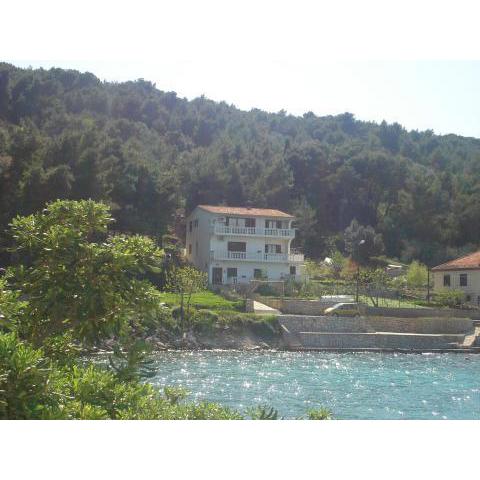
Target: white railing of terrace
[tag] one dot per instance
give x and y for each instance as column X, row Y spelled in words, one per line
column 258, row 257
column 262, row 232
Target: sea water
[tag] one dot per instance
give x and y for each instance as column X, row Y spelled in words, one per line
column 350, row 385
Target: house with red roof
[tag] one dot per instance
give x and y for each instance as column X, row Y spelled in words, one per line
column 238, row 244
column 460, row 274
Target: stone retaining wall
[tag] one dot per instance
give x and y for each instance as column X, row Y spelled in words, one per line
column 306, row 323
column 296, row 306
column 381, row 341
column 384, row 333
column 423, row 312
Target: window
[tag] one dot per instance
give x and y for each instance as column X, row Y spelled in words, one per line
column 273, row 224
column 196, row 248
column 189, row 248
column 190, row 226
column 195, row 223
column 237, row 247
column 257, row 273
column 250, row 222
column 463, row 279
column 232, row 222
column 468, row 298
column 231, row 273
column 446, row 280
column 293, row 270
column 273, row 248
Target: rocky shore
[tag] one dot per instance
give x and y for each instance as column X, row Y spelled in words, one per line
column 237, row 337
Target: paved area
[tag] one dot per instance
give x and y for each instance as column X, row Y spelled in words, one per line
column 261, row 309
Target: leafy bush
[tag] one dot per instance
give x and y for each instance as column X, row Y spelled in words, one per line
column 262, row 412
column 417, row 275
column 205, row 319
column 319, row 414
column 75, row 278
column 24, row 376
column 267, row 290
column 450, row 298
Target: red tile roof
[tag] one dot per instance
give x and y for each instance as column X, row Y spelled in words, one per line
column 468, row 262
column 245, row 211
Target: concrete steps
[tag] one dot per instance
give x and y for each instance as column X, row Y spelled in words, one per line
column 261, row 309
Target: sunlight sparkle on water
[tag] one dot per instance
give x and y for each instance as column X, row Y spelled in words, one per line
column 351, row 385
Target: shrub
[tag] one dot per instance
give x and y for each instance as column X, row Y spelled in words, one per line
column 319, row 414
column 24, row 378
column 262, row 412
column 450, row 298
column 205, row 319
column 417, row 275
column 267, row 290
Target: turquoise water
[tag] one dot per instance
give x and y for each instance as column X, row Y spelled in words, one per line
column 351, row 385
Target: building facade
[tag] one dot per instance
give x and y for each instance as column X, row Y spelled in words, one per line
column 461, row 274
column 237, row 244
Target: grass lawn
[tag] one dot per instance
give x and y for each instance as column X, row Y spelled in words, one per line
column 389, row 302
column 206, row 299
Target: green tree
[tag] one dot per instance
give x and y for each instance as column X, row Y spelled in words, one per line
column 362, row 243
column 417, row 275
column 337, row 264
column 185, row 281
column 75, row 277
column 373, row 283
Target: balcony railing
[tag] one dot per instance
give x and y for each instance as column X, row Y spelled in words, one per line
column 258, row 257
column 254, row 231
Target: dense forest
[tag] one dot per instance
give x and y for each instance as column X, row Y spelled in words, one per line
column 152, row 156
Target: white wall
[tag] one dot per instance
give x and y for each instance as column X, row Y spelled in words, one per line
column 207, row 241
column 245, row 270
column 254, row 244
column 199, row 235
column 473, row 282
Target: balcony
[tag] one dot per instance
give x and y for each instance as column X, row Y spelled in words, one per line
column 254, row 231
column 258, row 257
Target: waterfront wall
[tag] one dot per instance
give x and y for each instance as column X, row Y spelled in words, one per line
column 383, row 333
column 431, row 326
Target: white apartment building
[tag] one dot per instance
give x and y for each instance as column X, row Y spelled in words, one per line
column 238, row 244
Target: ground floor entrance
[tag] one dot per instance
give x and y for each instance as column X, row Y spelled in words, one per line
column 217, row 274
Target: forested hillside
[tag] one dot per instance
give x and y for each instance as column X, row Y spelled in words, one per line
column 151, row 155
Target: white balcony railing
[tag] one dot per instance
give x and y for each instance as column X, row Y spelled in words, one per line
column 258, row 257
column 254, row 231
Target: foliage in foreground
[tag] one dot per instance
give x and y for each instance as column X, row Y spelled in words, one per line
column 34, row 387
column 74, row 286
column 75, row 277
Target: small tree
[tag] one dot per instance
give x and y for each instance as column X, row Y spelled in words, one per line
column 338, row 264
column 416, row 275
column 186, row 281
column 373, row 282
column 76, row 278
column 362, row 243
